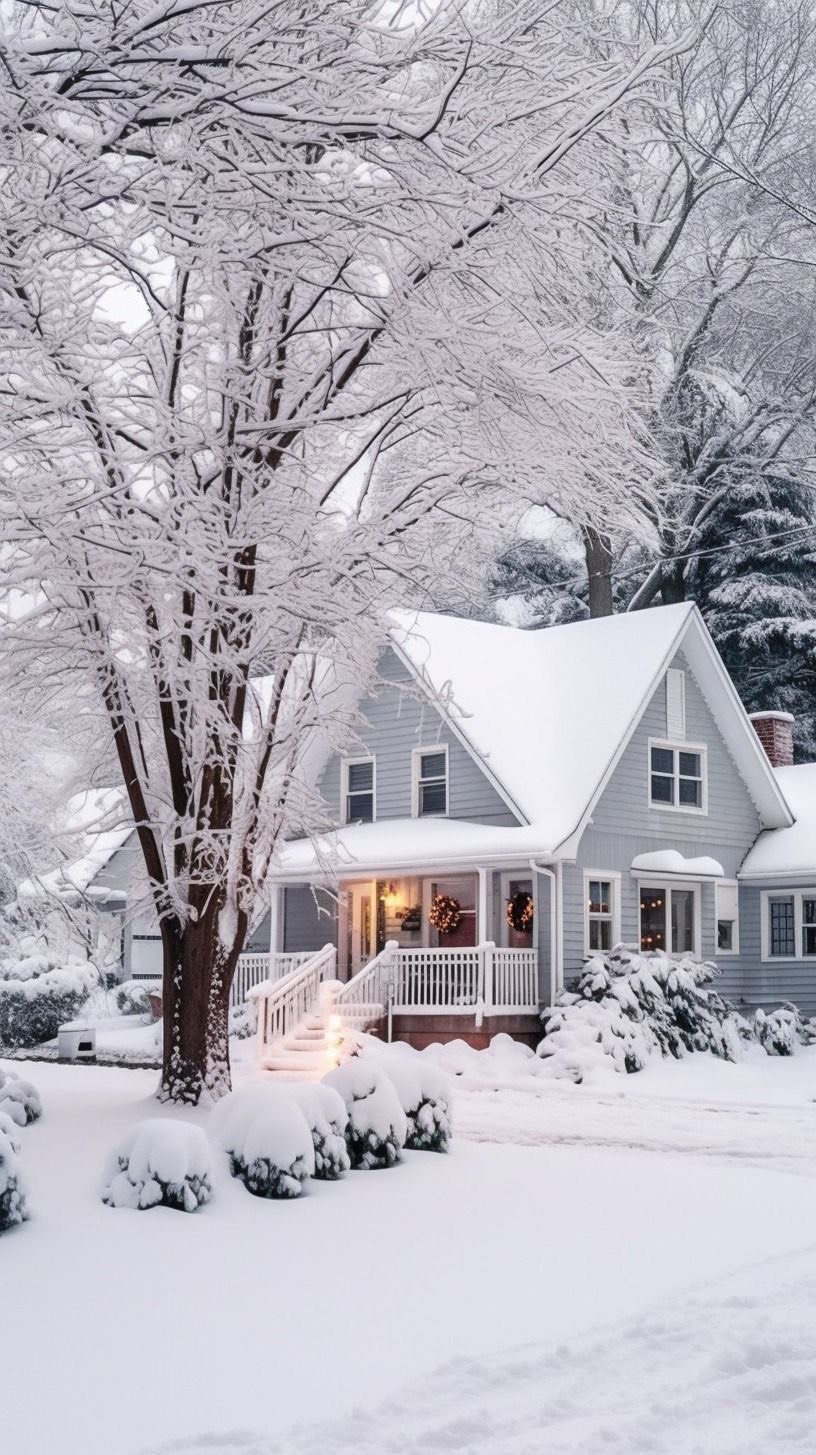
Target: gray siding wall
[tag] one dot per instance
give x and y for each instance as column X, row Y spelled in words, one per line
column 395, row 722
column 309, row 919
column 624, row 824
column 767, row 983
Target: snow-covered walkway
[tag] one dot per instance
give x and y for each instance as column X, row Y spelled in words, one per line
column 649, row 1255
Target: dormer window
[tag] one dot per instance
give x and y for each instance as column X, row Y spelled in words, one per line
column 358, row 790
column 677, row 777
column 430, row 782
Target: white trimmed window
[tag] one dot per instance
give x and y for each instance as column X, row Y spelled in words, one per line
column 727, row 903
column 677, row 777
column 670, row 917
column 430, row 782
column 602, row 910
column 789, row 924
column 358, row 790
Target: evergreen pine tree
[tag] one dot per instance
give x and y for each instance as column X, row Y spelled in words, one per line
column 754, row 578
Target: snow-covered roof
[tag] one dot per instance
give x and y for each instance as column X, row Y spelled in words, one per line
column 98, row 822
column 403, row 844
column 789, row 851
column 548, row 713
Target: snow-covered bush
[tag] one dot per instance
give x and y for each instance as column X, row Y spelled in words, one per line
column 778, row 1031
column 37, row 996
column 628, row 1007
column 267, row 1138
column 132, row 997
column 424, row 1094
column 326, row 1115
column 160, row 1163
column 243, row 1020
column 377, row 1125
column 19, row 1100
column 12, row 1195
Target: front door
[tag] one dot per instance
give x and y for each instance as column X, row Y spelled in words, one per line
column 362, row 925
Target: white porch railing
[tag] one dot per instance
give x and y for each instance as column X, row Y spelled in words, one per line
column 373, row 984
column 480, row 980
column 253, row 968
column 282, row 1003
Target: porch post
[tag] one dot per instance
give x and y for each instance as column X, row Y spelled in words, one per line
column 275, row 921
column 483, row 929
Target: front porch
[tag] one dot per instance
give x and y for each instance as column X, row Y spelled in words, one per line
column 419, row 996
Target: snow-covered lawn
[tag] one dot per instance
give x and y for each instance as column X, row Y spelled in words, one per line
column 622, row 1268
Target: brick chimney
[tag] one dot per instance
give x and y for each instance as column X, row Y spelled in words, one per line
column 775, row 732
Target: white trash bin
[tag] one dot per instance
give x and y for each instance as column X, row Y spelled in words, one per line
column 76, row 1043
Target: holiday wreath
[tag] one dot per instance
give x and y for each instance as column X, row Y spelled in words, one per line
column 520, row 911
column 445, row 913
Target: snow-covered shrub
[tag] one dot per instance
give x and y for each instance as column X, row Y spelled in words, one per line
column 778, row 1031
column 243, row 1020
column 267, row 1138
column 12, row 1195
column 424, row 1094
column 132, row 997
column 326, row 1115
column 377, row 1125
column 19, row 1100
column 37, row 996
column 629, row 1006
column 160, row 1163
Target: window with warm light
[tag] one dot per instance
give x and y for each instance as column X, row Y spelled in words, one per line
column 599, row 914
column 669, row 918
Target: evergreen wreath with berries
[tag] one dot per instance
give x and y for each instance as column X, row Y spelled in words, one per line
column 445, row 913
column 520, row 912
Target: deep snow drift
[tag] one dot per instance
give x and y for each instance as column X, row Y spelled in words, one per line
column 219, row 1332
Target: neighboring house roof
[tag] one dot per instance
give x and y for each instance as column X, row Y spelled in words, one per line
column 788, row 852
column 98, row 821
column 548, row 713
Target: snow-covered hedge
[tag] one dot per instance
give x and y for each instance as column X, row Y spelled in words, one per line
column 267, row 1138
column 424, row 1094
column 779, row 1031
column 37, row 996
column 377, row 1125
column 132, row 997
column 160, row 1163
column 12, row 1195
column 19, row 1100
column 628, row 1007
column 327, row 1118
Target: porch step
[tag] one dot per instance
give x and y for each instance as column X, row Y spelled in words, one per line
column 313, row 1046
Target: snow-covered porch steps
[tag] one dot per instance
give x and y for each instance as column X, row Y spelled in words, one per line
column 319, row 1042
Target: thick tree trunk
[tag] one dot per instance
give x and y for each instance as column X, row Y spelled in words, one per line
column 197, row 975
column 672, row 583
column 598, row 555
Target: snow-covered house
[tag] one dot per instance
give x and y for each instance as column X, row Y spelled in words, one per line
column 524, row 798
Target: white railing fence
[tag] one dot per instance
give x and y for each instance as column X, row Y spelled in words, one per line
column 375, row 982
column 283, row 1003
column 480, row 980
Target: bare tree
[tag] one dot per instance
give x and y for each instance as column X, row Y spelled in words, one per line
column 715, row 271
column 227, row 234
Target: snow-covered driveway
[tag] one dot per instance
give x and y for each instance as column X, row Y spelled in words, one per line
column 123, row 1332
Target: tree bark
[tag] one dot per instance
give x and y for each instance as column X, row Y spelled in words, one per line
column 598, row 556
column 197, row 975
column 673, row 583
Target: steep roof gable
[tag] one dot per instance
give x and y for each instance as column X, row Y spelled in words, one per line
column 548, row 713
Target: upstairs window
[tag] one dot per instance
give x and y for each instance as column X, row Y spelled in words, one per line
column 431, row 783
column 677, row 777
column 358, row 790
